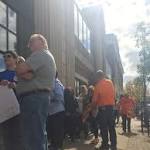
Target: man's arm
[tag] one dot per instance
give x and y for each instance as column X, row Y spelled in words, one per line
column 23, row 70
column 95, row 95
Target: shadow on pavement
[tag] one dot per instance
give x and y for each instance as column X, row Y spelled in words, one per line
column 78, row 146
column 128, row 134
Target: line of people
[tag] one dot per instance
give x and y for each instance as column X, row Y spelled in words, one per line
column 50, row 109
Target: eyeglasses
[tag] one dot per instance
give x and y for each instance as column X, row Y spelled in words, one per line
column 8, row 56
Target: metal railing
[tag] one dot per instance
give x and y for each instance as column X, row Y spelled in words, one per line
column 145, row 117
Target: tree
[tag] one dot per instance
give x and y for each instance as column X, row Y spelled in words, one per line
column 135, row 88
column 142, row 37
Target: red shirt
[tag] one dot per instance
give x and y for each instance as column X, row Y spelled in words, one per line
column 126, row 105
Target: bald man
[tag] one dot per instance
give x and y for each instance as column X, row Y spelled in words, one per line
column 34, row 92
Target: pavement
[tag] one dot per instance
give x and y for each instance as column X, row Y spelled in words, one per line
column 133, row 141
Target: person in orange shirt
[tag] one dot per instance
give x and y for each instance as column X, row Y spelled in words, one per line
column 127, row 106
column 104, row 99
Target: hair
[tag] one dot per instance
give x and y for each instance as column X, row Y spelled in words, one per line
column 90, row 91
column 84, row 87
column 13, row 53
column 100, row 74
column 41, row 38
column 68, row 93
column 21, row 59
column 91, row 87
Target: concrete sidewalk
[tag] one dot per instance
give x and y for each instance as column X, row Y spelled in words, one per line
column 134, row 141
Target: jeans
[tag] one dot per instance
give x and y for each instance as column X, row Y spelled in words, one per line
column 107, row 126
column 94, row 126
column 34, row 112
column 126, row 122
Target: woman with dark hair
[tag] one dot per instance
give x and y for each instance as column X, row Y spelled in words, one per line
column 71, row 115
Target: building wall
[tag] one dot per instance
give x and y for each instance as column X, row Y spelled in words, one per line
column 95, row 19
column 112, row 55
column 24, row 10
column 54, row 19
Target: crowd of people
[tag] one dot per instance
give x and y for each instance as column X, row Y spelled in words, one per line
column 51, row 111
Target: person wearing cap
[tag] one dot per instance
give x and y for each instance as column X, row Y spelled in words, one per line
column 104, row 99
column 35, row 92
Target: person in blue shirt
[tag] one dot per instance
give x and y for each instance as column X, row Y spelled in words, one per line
column 11, row 128
column 8, row 77
column 55, row 123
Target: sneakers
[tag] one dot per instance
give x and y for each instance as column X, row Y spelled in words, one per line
column 95, row 141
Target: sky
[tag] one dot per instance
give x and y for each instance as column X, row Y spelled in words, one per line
column 121, row 17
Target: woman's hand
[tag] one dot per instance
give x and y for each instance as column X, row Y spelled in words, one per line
column 12, row 85
column 4, row 83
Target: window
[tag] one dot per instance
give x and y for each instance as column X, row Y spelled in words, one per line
column 8, row 32
column 84, row 34
column 12, row 19
column 108, row 70
column 88, row 40
column 77, row 87
column 76, row 27
column 78, row 84
column 2, row 63
column 81, row 30
column 12, row 41
column 3, row 14
column 3, row 44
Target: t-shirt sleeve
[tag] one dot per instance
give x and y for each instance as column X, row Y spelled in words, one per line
column 35, row 62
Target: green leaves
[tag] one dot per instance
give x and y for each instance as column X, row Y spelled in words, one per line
column 138, row 86
column 142, row 37
column 135, row 88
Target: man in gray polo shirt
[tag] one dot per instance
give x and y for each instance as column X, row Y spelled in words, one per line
column 36, row 77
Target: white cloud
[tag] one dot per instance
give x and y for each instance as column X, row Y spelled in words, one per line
column 121, row 16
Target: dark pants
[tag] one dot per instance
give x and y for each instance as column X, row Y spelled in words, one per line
column 34, row 113
column 72, row 125
column 55, row 130
column 107, row 125
column 11, row 132
column 85, row 128
column 126, row 122
column 117, row 116
column 94, row 126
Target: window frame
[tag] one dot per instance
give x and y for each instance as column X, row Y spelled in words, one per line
column 80, row 24
column 6, row 28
